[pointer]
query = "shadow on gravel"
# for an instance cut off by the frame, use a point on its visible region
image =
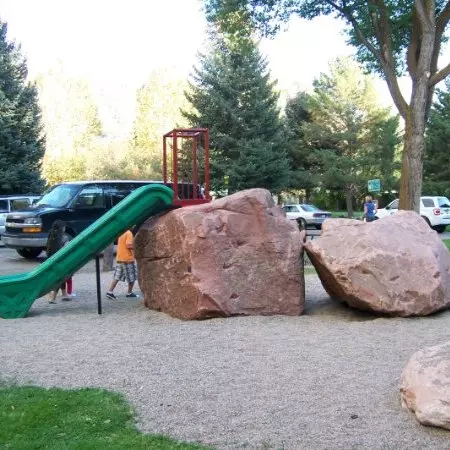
(329, 308)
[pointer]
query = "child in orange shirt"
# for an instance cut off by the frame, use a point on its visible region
(126, 269)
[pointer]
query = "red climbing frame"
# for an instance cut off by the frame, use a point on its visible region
(193, 189)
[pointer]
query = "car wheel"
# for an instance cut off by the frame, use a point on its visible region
(427, 221)
(439, 228)
(302, 223)
(29, 253)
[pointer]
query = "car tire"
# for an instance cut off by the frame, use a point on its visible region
(29, 253)
(427, 221)
(302, 223)
(439, 228)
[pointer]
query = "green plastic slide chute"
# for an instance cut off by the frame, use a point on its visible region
(19, 291)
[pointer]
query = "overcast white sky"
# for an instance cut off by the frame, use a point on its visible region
(117, 43)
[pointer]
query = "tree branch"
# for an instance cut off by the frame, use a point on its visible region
(422, 14)
(442, 19)
(384, 54)
(439, 76)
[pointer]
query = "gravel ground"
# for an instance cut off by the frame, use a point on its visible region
(328, 379)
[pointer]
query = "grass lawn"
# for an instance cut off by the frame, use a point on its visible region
(37, 418)
(337, 214)
(447, 243)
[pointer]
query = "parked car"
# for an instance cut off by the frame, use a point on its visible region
(11, 203)
(435, 211)
(306, 215)
(78, 203)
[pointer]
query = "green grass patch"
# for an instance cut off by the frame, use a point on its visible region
(37, 418)
(338, 214)
(447, 243)
(310, 271)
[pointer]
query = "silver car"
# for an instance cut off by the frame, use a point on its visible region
(9, 203)
(306, 215)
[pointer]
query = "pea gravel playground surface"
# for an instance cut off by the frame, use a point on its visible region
(328, 379)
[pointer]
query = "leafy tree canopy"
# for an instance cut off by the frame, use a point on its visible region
(21, 137)
(437, 156)
(391, 37)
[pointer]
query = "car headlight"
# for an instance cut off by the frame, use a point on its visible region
(33, 221)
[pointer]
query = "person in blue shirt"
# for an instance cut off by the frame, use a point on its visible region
(369, 209)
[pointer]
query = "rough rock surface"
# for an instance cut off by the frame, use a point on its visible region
(237, 255)
(396, 266)
(425, 385)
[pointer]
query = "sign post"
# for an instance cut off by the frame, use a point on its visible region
(374, 185)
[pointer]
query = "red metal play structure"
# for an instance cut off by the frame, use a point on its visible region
(186, 165)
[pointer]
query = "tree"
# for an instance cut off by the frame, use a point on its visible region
(72, 124)
(437, 157)
(297, 114)
(159, 103)
(232, 95)
(21, 137)
(349, 130)
(391, 36)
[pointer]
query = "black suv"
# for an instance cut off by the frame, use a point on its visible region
(78, 203)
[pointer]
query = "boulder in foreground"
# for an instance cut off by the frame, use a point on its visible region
(425, 385)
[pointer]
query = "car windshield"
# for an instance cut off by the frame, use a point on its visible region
(3, 206)
(310, 208)
(59, 196)
(443, 202)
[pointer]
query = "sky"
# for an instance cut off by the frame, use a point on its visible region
(115, 44)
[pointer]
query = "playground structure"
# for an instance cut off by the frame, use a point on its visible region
(186, 165)
(188, 162)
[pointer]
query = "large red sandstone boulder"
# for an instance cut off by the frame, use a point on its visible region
(235, 256)
(425, 385)
(397, 265)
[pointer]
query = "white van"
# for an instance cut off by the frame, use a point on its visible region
(9, 203)
(435, 210)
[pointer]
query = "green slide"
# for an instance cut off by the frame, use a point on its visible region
(19, 291)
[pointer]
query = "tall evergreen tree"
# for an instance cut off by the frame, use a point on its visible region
(232, 95)
(436, 167)
(21, 137)
(297, 114)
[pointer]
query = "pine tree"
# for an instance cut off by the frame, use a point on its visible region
(297, 114)
(232, 95)
(436, 174)
(21, 137)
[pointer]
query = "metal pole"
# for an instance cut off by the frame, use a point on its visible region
(207, 187)
(194, 168)
(99, 289)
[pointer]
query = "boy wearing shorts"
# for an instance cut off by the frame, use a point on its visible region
(126, 269)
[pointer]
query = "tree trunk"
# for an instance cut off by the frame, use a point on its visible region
(414, 147)
(280, 199)
(307, 195)
(349, 200)
(108, 258)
